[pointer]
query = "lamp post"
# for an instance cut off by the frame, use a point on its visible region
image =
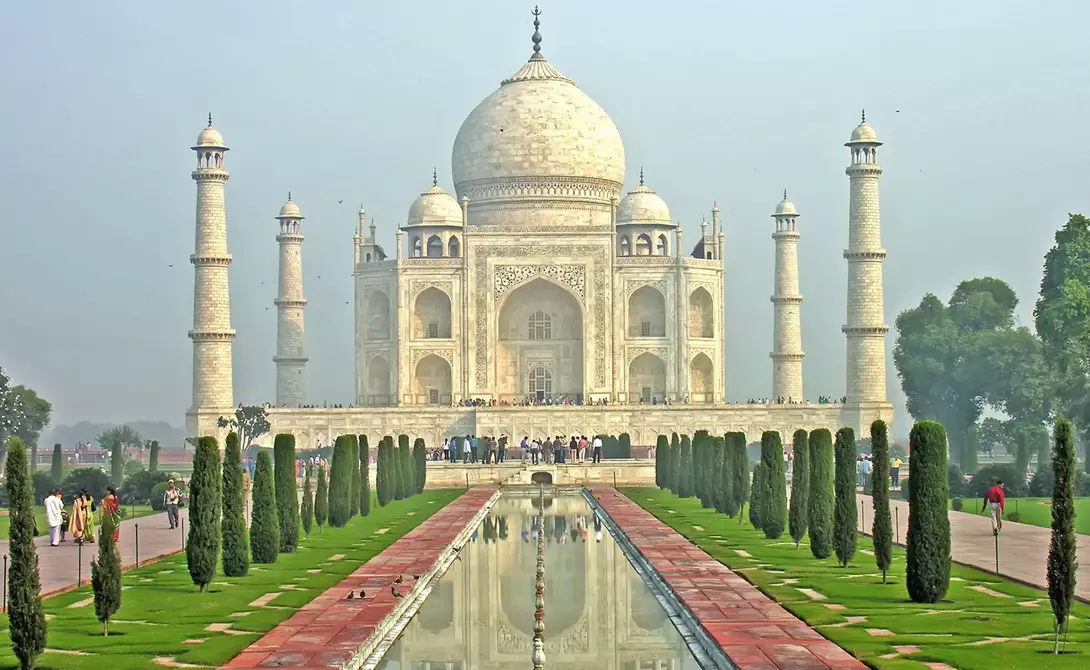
(537, 656)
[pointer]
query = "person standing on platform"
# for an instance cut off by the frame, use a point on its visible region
(597, 449)
(54, 508)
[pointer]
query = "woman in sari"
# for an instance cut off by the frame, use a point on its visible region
(89, 511)
(111, 507)
(78, 519)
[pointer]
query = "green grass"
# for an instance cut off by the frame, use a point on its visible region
(161, 608)
(944, 632)
(131, 512)
(1035, 511)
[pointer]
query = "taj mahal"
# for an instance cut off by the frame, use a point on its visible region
(539, 297)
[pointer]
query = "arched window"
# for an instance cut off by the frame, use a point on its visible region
(541, 326)
(660, 247)
(435, 246)
(368, 257)
(643, 245)
(540, 382)
(454, 248)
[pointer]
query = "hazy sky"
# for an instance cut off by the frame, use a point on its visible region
(982, 105)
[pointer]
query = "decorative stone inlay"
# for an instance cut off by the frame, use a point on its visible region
(711, 288)
(376, 354)
(646, 260)
(631, 353)
(566, 230)
(544, 188)
(418, 287)
(633, 286)
(508, 277)
(417, 354)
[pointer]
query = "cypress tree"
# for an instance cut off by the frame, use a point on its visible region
(265, 527)
(321, 499)
(625, 446)
(153, 459)
(382, 472)
(662, 456)
(340, 482)
(970, 451)
(205, 506)
(1062, 562)
(287, 498)
(800, 486)
(882, 528)
(357, 476)
(775, 496)
(117, 462)
(674, 466)
(927, 560)
(58, 465)
(26, 618)
(718, 478)
(106, 576)
(420, 465)
(685, 476)
(365, 476)
(845, 516)
(405, 467)
(739, 470)
(820, 507)
(306, 511)
(756, 495)
(236, 546)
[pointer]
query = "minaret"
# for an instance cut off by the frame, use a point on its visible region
(290, 359)
(787, 327)
(213, 383)
(866, 327)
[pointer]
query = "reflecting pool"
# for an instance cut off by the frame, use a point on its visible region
(599, 613)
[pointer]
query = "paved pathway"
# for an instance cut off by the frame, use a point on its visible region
(1023, 549)
(752, 630)
(60, 565)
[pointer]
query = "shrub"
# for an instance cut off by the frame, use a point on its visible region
(774, 497)
(383, 473)
(42, 484)
(800, 486)
(401, 476)
(138, 488)
(1014, 517)
(131, 467)
(957, 504)
(58, 465)
(236, 546)
(685, 476)
(740, 475)
(1014, 481)
(756, 495)
(264, 527)
(820, 508)
(624, 446)
(106, 576)
(357, 481)
(157, 493)
(662, 456)
(702, 447)
(927, 569)
(340, 481)
(845, 519)
(882, 526)
(674, 478)
(321, 499)
(955, 482)
(1042, 483)
(92, 480)
(26, 618)
(420, 465)
(153, 457)
(365, 476)
(205, 505)
(306, 511)
(287, 498)
(725, 475)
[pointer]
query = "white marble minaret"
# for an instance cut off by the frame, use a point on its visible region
(213, 383)
(866, 328)
(787, 327)
(290, 359)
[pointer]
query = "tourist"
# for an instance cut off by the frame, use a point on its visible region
(895, 471)
(89, 509)
(524, 446)
(491, 450)
(171, 498)
(54, 509)
(446, 449)
(465, 445)
(534, 448)
(78, 518)
(582, 455)
(997, 501)
(597, 448)
(503, 448)
(573, 448)
(474, 449)
(111, 506)
(558, 450)
(868, 467)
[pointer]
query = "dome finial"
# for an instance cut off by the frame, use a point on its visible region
(289, 196)
(641, 175)
(785, 195)
(209, 119)
(434, 177)
(537, 35)
(864, 116)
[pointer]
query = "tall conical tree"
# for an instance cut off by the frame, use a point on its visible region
(58, 465)
(970, 451)
(845, 517)
(882, 528)
(26, 618)
(800, 486)
(927, 554)
(365, 476)
(236, 544)
(321, 499)
(264, 527)
(820, 509)
(775, 496)
(685, 478)
(726, 478)
(703, 461)
(287, 497)
(357, 477)
(205, 508)
(405, 461)
(736, 448)
(153, 457)
(757, 491)
(340, 482)
(383, 474)
(1062, 562)
(106, 576)
(662, 454)
(718, 493)
(420, 465)
(306, 510)
(674, 466)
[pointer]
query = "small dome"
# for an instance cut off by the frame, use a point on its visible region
(643, 206)
(434, 207)
(290, 210)
(864, 133)
(210, 137)
(786, 208)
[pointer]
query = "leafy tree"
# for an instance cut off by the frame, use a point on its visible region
(250, 421)
(757, 491)
(35, 413)
(774, 497)
(969, 453)
(685, 476)
(383, 474)
(265, 527)
(26, 618)
(287, 500)
(800, 486)
(662, 456)
(882, 528)
(992, 434)
(845, 520)
(739, 458)
(365, 476)
(90, 479)
(357, 481)
(1062, 563)
(153, 458)
(138, 487)
(58, 464)
(673, 481)
(420, 465)
(236, 545)
(820, 509)
(205, 505)
(927, 568)
(106, 576)
(321, 499)
(340, 481)
(306, 512)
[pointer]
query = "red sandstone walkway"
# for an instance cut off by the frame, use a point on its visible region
(330, 629)
(752, 630)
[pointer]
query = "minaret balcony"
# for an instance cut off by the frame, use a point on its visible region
(865, 255)
(865, 330)
(211, 174)
(290, 302)
(212, 335)
(221, 259)
(786, 299)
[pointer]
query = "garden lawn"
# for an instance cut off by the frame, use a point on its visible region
(851, 606)
(162, 613)
(1035, 511)
(131, 512)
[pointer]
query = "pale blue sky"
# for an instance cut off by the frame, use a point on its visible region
(727, 101)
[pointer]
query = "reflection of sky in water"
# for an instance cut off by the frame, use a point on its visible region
(598, 612)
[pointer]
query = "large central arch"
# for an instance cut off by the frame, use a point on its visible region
(540, 337)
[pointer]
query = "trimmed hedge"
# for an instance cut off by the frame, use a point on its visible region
(845, 517)
(357, 477)
(685, 475)
(774, 497)
(306, 510)
(365, 476)
(882, 527)
(321, 499)
(927, 568)
(420, 465)
(287, 500)
(718, 474)
(385, 472)
(1062, 563)
(236, 543)
(820, 508)
(264, 526)
(739, 469)
(756, 495)
(797, 515)
(662, 457)
(674, 467)
(340, 482)
(406, 470)
(205, 506)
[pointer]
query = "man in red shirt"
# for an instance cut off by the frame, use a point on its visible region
(997, 501)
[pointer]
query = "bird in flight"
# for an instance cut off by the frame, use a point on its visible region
(171, 265)
(340, 201)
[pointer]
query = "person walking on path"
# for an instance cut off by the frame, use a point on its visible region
(53, 516)
(111, 506)
(895, 471)
(170, 501)
(997, 501)
(867, 467)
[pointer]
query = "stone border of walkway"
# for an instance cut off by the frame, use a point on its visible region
(125, 567)
(748, 627)
(333, 632)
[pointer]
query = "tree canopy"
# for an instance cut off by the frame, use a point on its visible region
(249, 421)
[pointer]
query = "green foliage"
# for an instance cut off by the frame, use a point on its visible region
(205, 507)
(420, 465)
(156, 500)
(845, 518)
(340, 481)
(820, 508)
(153, 457)
(739, 470)
(774, 497)
(306, 511)
(365, 476)
(287, 498)
(928, 553)
(236, 544)
(250, 421)
(92, 480)
(1014, 481)
(718, 470)
(882, 526)
(798, 515)
(673, 481)
(969, 454)
(42, 484)
(57, 471)
(955, 480)
(26, 618)
(264, 526)
(957, 504)
(726, 477)
(357, 477)
(702, 473)
(1062, 563)
(321, 499)
(27, 415)
(384, 472)
(624, 446)
(131, 467)
(685, 475)
(756, 495)
(662, 457)
(106, 576)
(401, 476)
